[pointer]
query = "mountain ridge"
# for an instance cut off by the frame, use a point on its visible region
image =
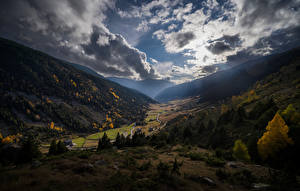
(229, 82)
(149, 87)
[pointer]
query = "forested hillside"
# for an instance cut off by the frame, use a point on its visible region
(266, 118)
(42, 94)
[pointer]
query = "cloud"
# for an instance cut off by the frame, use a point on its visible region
(117, 54)
(184, 38)
(73, 31)
(219, 47)
(232, 31)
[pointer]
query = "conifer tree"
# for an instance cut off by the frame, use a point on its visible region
(104, 143)
(61, 148)
(53, 148)
(118, 143)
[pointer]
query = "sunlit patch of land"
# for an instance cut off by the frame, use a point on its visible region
(159, 114)
(91, 141)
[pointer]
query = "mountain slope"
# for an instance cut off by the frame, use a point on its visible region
(37, 89)
(229, 82)
(243, 116)
(149, 87)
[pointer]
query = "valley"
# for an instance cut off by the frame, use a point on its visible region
(70, 129)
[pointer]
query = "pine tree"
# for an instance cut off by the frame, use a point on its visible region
(61, 147)
(29, 150)
(210, 125)
(176, 167)
(274, 139)
(187, 132)
(240, 151)
(104, 143)
(118, 143)
(53, 148)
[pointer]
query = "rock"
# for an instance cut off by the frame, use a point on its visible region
(101, 163)
(232, 164)
(115, 148)
(260, 186)
(202, 179)
(36, 164)
(82, 168)
(115, 167)
(89, 165)
(208, 181)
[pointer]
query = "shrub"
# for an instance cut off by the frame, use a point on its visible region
(163, 170)
(222, 174)
(198, 156)
(176, 167)
(240, 151)
(214, 161)
(145, 166)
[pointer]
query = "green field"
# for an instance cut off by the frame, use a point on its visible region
(112, 133)
(79, 141)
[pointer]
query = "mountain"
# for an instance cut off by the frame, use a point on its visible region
(248, 117)
(229, 82)
(40, 93)
(149, 87)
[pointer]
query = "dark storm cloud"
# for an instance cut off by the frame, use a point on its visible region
(67, 29)
(115, 48)
(226, 43)
(183, 39)
(219, 47)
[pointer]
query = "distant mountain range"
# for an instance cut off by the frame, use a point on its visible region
(37, 89)
(149, 87)
(231, 81)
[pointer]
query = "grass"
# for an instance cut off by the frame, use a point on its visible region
(112, 133)
(79, 141)
(151, 117)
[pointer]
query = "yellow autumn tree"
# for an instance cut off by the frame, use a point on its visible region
(291, 115)
(7, 140)
(111, 125)
(224, 108)
(274, 139)
(52, 125)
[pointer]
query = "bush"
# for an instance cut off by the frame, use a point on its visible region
(240, 151)
(223, 154)
(222, 174)
(214, 161)
(198, 156)
(163, 170)
(145, 166)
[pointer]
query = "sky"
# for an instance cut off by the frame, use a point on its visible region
(177, 40)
